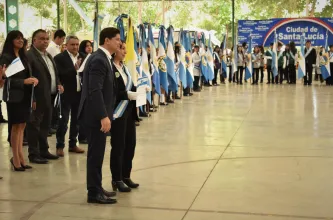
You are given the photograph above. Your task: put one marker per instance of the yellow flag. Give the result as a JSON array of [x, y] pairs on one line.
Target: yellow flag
[[131, 57]]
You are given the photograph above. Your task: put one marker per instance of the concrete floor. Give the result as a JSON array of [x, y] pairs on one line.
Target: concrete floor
[[229, 152]]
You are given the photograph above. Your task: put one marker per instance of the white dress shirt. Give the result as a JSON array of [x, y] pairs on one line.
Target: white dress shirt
[[122, 73], [74, 60], [50, 66], [53, 49]]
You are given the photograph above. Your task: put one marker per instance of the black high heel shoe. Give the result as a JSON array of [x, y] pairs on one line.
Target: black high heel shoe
[[130, 183], [27, 167], [120, 186], [20, 169]]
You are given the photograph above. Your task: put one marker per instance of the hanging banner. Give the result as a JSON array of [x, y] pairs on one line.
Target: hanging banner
[[12, 21], [287, 29]]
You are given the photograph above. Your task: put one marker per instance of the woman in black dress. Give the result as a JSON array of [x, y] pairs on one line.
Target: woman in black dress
[[17, 95], [123, 130]]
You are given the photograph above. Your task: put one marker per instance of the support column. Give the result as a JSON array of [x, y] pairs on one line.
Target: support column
[[65, 16], [58, 14], [233, 23], [163, 12], [11, 15]]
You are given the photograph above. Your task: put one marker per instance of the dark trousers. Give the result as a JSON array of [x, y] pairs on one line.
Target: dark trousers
[[255, 76], [216, 71], [55, 114], [95, 157], [239, 77], [261, 74], [308, 74], [233, 78], [196, 82], [38, 129], [69, 106], [292, 73], [123, 141], [271, 77], [281, 74], [222, 76]]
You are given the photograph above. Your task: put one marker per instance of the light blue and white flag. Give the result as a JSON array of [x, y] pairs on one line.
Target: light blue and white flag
[[153, 61], [234, 66], [224, 66], [325, 61], [249, 66], [182, 61], [301, 58], [210, 59], [162, 67], [120, 25], [189, 63], [203, 64], [170, 61], [275, 58]]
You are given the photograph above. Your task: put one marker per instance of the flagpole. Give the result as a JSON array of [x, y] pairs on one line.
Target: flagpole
[[233, 22], [32, 98]]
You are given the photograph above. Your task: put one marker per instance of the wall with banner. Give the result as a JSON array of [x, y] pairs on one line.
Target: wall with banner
[[287, 29]]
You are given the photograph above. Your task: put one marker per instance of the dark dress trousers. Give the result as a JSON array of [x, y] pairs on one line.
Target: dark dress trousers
[[70, 99], [310, 60], [38, 126], [97, 102], [123, 134]]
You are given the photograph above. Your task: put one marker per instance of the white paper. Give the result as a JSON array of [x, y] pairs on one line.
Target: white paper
[[141, 99], [15, 67], [83, 64]]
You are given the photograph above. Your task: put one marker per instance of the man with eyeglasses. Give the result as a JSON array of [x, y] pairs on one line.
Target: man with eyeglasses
[[44, 69]]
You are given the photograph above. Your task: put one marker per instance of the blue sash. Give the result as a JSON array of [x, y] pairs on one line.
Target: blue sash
[[123, 104]]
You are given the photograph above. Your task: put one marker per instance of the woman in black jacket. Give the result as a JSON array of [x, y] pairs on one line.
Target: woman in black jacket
[[123, 130], [17, 95]]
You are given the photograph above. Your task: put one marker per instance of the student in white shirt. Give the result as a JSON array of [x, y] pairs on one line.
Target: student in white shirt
[[54, 47]]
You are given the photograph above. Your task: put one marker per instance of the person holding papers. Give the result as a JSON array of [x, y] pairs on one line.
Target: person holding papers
[[123, 131], [17, 94], [68, 64], [310, 62], [44, 69], [256, 60]]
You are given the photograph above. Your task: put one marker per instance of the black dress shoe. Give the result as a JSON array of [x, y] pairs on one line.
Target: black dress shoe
[[52, 131], [25, 143], [38, 160], [120, 186], [49, 156], [130, 183], [101, 199], [177, 97], [27, 167], [170, 101], [84, 141], [109, 194], [19, 169]]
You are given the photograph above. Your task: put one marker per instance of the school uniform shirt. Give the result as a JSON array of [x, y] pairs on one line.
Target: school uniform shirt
[[53, 49], [330, 55], [240, 60], [196, 62], [256, 60], [262, 62], [268, 57], [282, 61], [291, 57]]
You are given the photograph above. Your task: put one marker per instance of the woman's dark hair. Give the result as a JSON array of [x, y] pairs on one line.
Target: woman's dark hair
[[109, 32], [292, 47], [241, 49], [83, 45], [216, 47], [262, 49], [8, 47]]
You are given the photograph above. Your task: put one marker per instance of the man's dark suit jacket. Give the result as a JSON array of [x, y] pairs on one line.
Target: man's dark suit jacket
[[122, 94], [311, 58], [40, 70], [98, 96], [67, 74]]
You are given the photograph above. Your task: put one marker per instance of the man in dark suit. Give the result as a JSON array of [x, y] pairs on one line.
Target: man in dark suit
[[44, 69], [96, 110], [68, 64], [310, 62]]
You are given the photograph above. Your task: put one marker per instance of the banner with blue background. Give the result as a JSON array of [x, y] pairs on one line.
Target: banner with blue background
[[287, 29]]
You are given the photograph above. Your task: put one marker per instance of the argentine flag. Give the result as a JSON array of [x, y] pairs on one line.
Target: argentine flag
[[224, 66], [210, 59], [170, 61], [249, 68], [234, 66], [301, 59], [203, 64], [153, 60], [182, 61], [275, 65], [189, 63], [162, 67], [325, 61]]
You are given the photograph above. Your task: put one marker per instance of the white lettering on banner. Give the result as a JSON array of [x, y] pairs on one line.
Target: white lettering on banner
[[298, 29], [296, 36]]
